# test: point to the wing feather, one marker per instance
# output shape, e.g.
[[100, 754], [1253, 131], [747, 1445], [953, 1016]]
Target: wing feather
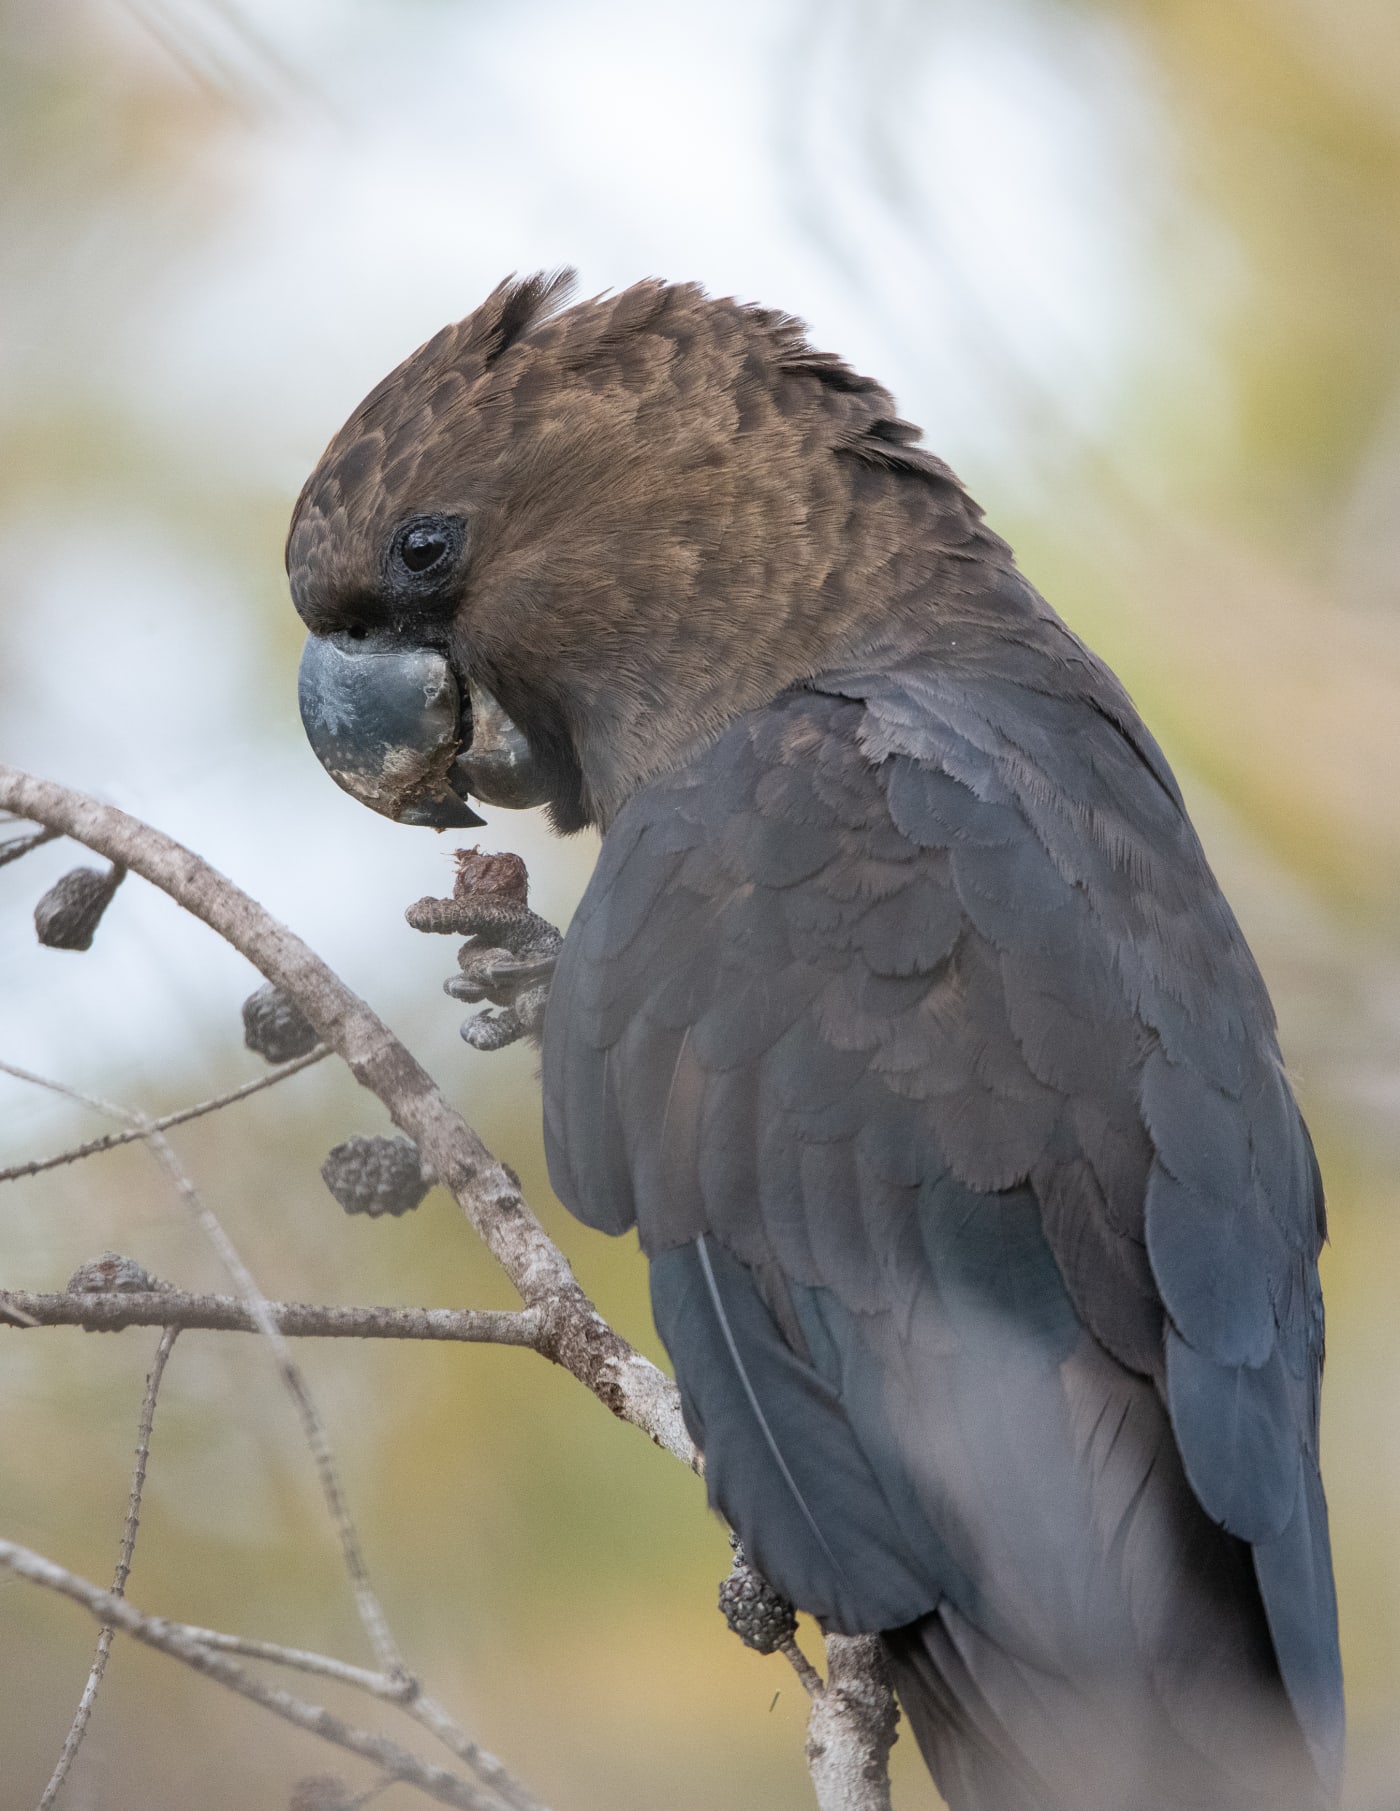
[[910, 1026]]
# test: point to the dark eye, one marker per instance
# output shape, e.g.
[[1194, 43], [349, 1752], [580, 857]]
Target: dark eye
[[425, 550]]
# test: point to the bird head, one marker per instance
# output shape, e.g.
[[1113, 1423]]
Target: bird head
[[559, 548]]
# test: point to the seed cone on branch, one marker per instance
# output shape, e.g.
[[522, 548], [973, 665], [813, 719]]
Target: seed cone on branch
[[761, 1617], [67, 916], [321, 1792], [376, 1176], [275, 1027], [112, 1274]]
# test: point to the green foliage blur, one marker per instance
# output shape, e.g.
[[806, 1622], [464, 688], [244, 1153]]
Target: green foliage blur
[[1225, 530]]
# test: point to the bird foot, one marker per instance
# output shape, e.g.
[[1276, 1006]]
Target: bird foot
[[510, 954]]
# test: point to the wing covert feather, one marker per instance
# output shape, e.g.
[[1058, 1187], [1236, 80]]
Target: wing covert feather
[[888, 960]]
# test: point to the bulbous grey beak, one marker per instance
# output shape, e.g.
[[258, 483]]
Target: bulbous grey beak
[[387, 721]]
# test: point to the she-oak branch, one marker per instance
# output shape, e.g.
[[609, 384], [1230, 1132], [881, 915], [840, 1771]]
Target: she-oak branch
[[852, 1724], [573, 1333], [108, 1312]]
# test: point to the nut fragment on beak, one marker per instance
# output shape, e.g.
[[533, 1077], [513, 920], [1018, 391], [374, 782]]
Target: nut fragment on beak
[[497, 765]]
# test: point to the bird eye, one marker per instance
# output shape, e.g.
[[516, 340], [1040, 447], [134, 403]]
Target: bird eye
[[425, 550]]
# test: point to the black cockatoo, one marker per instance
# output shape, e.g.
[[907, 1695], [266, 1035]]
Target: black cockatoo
[[902, 1016]]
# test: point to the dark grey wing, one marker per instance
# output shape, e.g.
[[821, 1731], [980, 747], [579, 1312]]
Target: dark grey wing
[[910, 1028], [1222, 1188]]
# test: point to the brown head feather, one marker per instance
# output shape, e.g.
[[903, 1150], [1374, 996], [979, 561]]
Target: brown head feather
[[675, 508]]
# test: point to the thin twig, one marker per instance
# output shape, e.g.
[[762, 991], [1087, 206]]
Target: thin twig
[[371, 1611], [391, 1688], [16, 846], [178, 1641], [370, 1793], [69, 1092], [484, 1764], [110, 1140], [802, 1666], [109, 1312], [73, 1740]]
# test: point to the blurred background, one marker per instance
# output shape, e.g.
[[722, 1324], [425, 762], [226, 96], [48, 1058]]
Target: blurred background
[[1133, 264]]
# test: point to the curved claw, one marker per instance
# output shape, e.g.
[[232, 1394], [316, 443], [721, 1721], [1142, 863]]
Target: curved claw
[[492, 1030]]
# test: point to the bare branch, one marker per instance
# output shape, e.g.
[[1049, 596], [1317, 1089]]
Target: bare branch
[[179, 1641], [393, 1688], [94, 1101], [566, 1327], [14, 847], [371, 1611], [802, 1666], [143, 1453], [110, 1140], [109, 1313], [73, 1740], [574, 1334], [433, 1717], [852, 1727]]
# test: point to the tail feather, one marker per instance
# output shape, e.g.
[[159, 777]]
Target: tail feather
[[998, 1736]]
